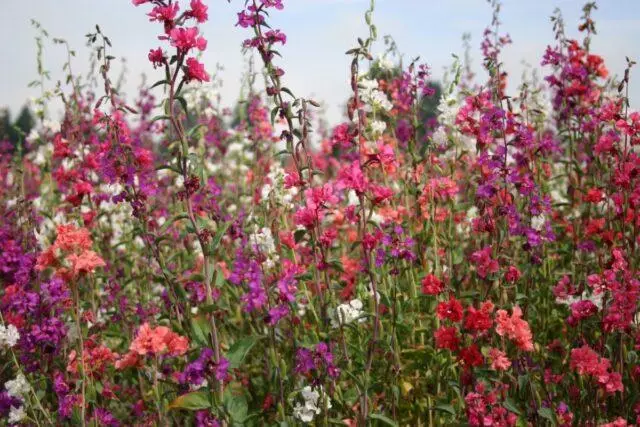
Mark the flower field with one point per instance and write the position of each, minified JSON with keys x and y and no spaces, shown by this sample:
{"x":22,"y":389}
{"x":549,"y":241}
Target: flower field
{"x":455,"y":253}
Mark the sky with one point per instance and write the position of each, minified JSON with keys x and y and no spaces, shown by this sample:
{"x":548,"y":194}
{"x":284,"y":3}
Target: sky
{"x":319,"y":33}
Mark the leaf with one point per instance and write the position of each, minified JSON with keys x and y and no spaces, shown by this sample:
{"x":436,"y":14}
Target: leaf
{"x":388,"y":421}
{"x":194,"y":129}
{"x":215,"y":242}
{"x":160,"y":82}
{"x":547,"y":414}
{"x":201,"y":329}
{"x":170,"y":222}
{"x":274,"y":111}
{"x":510,"y":405}
{"x":239,"y":350}
{"x":160,"y":117}
{"x":237,"y":407}
{"x":193,"y":401}
{"x":445,"y":407}
{"x":183,"y":103}
{"x":298,"y":235}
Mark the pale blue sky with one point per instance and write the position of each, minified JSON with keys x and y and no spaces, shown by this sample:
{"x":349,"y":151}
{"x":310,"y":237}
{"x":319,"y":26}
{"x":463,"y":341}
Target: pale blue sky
{"x":319,"y":32}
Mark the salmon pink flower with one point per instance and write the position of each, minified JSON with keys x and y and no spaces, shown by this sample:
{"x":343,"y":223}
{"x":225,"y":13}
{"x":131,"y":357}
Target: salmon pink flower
{"x":515,"y":328}
{"x":499,"y":360}
{"x":157,"y":341}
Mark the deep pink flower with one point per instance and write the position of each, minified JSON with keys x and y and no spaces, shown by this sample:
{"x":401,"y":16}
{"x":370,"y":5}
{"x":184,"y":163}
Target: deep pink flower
{"x":198,"y":11}
{"x":156,"y":57}
{"x":196,"y":71}
{"x":186,"y":39}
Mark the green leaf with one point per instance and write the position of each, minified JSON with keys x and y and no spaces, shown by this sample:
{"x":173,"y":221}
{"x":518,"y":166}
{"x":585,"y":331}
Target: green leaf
{"x":171,"y":220}
{"x":237,"y":407}
{"x":194,"y":129}
{"x":193,"y":401}
{"x":183,"y":103}
{"x":511,"y":406}
{"x":160,"y":117}
{"x":445,"y":407}
{"x":386,"y":420}
{"x":160,"y":82}
{"x":201,"y":329}
{"x":298,"y":235}
{"x":547,"y":414}
{"x":215,"y":242}
{"x":239,"y":350}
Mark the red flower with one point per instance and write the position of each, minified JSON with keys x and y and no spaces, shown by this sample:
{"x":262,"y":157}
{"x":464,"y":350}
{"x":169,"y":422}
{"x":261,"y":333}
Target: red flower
{"x":471,"y":356}
{"x":479,"y":319}
{"x":451,"y":310}
{"x":431,"y":285}
{"x":447,"y":338}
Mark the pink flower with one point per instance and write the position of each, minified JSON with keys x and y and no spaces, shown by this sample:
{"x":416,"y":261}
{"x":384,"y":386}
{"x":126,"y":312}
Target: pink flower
{"x":351,"y":177}
{"x":499,"y":360}
{"x":585,"y":361}
{"x":515,"y":328}
{"x":186,"y":39}
{"x":485,"y":265}
{"x":196,"y":71}
{"x":318,"y":197}
{"x":164,"y":14}
{"x":198,"y":11}
{"x":273,"y":3}
{"x":248,"y":20}
{"x":156,"y":57}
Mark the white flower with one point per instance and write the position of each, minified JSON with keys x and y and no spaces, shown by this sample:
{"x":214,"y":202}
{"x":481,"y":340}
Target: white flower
{"x":51,"y":125}
{"x":347,"y":313}
{"x":385,"y":63}
{"x":263,"y":241}
{"x":18,"y":387}
{"x":440,"y":137}
{"x":367,"y":86}
{"x":596,"y":299}
{"x":377,"y":127}
{"x":9,"y":335}
{"x":33,"y":136}
{"x":448,"y":108}
{"x":379,"y":99}
{"x":312,"y":402}
{"x":538,"y":222}
{"x":16,"y":414}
